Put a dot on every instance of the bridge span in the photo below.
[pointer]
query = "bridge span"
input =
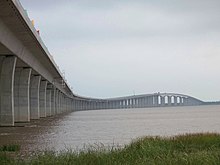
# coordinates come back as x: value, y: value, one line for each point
x: 32, y: 86
x: 141, y: 101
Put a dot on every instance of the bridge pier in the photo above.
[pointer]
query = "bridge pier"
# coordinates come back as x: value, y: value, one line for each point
x: 7, y: 70
x: 43, y: 97
x: 142, y: 103
x: 156, y: 100
x: 56, y: 101
x: 147, y: 101
x: 34, y: 97
x: 60, y: 102
x: 48, y: 100
x: 134, y: 103
x: 53, y: 96
x: 175, y: 100
x: 63, y: 102
x: 21, y: 94
x: 151, y: 101
x: 178, y: 100
x: 169, y: 100
x: 162, y: 100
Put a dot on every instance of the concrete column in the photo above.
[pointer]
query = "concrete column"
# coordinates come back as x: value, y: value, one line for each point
x: 7, y: 69
x: 143, y: 102
x: 121, y: 104
x: 175, y: 100
x: 165, y: 100
x: 88, y: 105
x: 74, y: 108
x: 65, y: 100
x: 184, y: 100
x: 187, y: 101
x: 150, y: 101
x: 48, y: 100
x: 82, y: 105
x: 43, y: 97
x: 137, y: 103
x: 118, y: 104
x: 140, y: 102
x: 178, y: 100
x: 63, y: 109
x: 113, y: 104
x: 79, y: 105
x: 162, y: 100
x: 110, y: 104
x: 62, y: 103
x: 134, y: 103
x: 147, y: 101
x: 106, y: 105
x: 127, y: 103
x: 59, y: 102
x: 34, y: 97
x: 56, y: 101
x: 75, y: 104
x: 72, y: 105
x: 93, y: 105
x: 169, y: 100
x: 21, y: 94
x: 156, y: 100
x: 100, y: 103
x: 53, y: 94
x: 181, y: 100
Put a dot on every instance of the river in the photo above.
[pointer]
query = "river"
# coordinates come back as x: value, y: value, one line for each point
x: 80, y: 129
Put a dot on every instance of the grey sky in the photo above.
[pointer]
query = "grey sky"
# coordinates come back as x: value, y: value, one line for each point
x: 116, y: 48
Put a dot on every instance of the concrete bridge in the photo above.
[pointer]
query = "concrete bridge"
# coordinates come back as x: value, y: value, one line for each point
x: 140, y: 101
x: 31, y: 84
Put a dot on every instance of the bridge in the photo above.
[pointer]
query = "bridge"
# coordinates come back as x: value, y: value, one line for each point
x: 33, y: 87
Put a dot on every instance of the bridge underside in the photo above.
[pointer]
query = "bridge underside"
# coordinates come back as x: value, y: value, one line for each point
x: 26, y: 95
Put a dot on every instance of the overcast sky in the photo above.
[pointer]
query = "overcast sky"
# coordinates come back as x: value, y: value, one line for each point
x: 115, y: 48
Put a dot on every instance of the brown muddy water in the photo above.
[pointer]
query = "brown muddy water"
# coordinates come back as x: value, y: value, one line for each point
x: 78, y: 130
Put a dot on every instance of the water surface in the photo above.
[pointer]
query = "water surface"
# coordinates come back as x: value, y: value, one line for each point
x: 111, y: 127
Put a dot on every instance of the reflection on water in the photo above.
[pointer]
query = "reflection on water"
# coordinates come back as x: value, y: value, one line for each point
x: 110, y: 127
